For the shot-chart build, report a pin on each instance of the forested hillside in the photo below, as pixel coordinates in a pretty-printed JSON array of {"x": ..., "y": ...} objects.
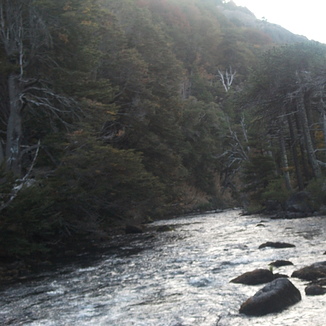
[{"x": 123, "y": 111}]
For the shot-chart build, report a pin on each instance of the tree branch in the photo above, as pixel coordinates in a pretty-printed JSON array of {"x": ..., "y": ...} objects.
[
  {"x": 227, "y": 78},
  {"x": 21, "y": 182}
]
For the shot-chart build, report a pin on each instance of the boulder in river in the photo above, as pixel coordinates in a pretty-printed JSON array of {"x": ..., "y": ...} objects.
[
  {"x": 257, "y": 276},
  {"x": 273, "y": 297},
  {"x": 321, "y": 281},
  {"x": 279, "y": 263},
  {"x": 277, "y": 245},
  {"x": 312, "y": 272},
  {"x": 314, "y": 290}
]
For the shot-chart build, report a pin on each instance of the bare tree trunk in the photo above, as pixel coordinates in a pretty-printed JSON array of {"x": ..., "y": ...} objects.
[
  {"x": 302, "y": 153},
  {"x": 285, "y": 162},
  {"x": 227, "y": 78},
  {"x": 323, "y": 119},
  {"x": 295, "y": 154},
  {"x": 185, "y": 89},
  {"x": 307, "y": 136},
  {"x": 14, "y": 127}
]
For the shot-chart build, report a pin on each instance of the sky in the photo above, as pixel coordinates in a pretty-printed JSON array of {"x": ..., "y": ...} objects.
[{"x": 301, "y": 17}]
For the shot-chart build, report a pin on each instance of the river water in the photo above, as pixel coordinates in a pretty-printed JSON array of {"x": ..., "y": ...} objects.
[{"x": 175, "y": 278}]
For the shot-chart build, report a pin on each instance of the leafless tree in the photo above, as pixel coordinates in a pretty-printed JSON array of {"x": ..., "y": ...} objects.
[
  {"x": 227, "y": 78},
  {"x": 25, "y": 41}
]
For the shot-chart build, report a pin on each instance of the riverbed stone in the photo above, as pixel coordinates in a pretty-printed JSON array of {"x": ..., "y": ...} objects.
[
  {"x": 276, "y": 245},
  {"x": 321, "y": 281},
  {"x": 273, "y": 297},
  {"x": 279, "y": 263},
  {"x": 315, "y": 290},
  {"x": 312, "y": 272},
  {"x": 257, "y": 276}
]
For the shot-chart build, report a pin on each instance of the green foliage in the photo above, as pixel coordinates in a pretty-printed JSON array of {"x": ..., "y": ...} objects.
[
  {"x": 29, "y": 224},
  {"x": 276, "y": 191},
  {"x": 139, "y": 124},
  {"x": 317, "y": 189},
  {"x": 256, "y": 175},
  {"x": 201, "y": 132},
  {"x": 282, "y": 98},
  {"x": 102, "y": 183}
]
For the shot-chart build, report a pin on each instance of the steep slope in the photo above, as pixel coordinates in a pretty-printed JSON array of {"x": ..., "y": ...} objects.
[{"x": 244, "y": 18}]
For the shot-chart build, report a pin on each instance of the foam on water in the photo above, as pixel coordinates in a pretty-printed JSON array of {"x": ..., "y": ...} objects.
[{"x": 175, "y": 278}]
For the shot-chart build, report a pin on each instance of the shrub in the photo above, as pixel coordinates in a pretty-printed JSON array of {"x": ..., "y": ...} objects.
[{"x": 317, "y": 190}]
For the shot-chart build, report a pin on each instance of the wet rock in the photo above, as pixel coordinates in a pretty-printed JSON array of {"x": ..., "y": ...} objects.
[
  {"x": 276, "y": 245},
  {"x": 257, "y": 276},
  {"x": 279, "y": 263},
  {"x": 312, "y": 272},
  {"x": 277, "y": 275},
  {"x": 164, "y": 228},
  {"x": 273, "y": 297},
  {"x": 321, "y": 281},
  {"x": 133, "y": 229},
  {"x": 315, "y": 290},
  {"x": 261, "y": 224}
]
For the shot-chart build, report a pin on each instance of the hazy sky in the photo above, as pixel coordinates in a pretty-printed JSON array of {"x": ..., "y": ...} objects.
[{"x": 303, "y": 17}]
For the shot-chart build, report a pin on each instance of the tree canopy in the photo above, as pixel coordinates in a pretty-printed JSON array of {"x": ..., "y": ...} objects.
[{"x": 120, "y": 111}]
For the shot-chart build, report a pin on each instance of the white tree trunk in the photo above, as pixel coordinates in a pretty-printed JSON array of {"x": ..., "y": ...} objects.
[
  {"x": 324, "y": 126},
  {"x": 285, "y": 161},
  {"x": 14, "y": 126},
  {"x": 227, "y": 78},
  {"x": 307, "y": 136}
]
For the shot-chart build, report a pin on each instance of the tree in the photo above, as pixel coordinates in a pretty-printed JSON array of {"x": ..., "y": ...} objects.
[
  {"x": 284, "y": 98},
  {"x": 25, "y": 43}
]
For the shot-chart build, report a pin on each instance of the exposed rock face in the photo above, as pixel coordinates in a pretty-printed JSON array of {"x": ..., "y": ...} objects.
[
  {"x": 273, "y": 297},
  {"x": 315, "y": 290},
  {"x": 312, "y": 272},
  {"x": 276, "y": 245},
  {"x": 257, "y": 276},
  {"x": 279, "y": 263}
]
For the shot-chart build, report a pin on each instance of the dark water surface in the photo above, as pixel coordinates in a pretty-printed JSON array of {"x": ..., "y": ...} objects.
[{"x": 174, "y": 278}]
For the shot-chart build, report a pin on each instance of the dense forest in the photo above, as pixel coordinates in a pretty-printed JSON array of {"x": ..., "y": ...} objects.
[{"x": 124, "y": 111}]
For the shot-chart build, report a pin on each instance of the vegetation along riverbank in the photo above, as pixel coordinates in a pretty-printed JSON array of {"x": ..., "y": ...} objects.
[{"x": 116, "y": 112}]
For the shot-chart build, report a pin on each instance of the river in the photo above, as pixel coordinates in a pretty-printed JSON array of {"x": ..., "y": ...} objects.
[{"x": 175, "y": 278}]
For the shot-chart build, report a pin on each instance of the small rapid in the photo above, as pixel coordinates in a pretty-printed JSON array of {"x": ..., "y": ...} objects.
[{"x": 175, "y": 278}]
